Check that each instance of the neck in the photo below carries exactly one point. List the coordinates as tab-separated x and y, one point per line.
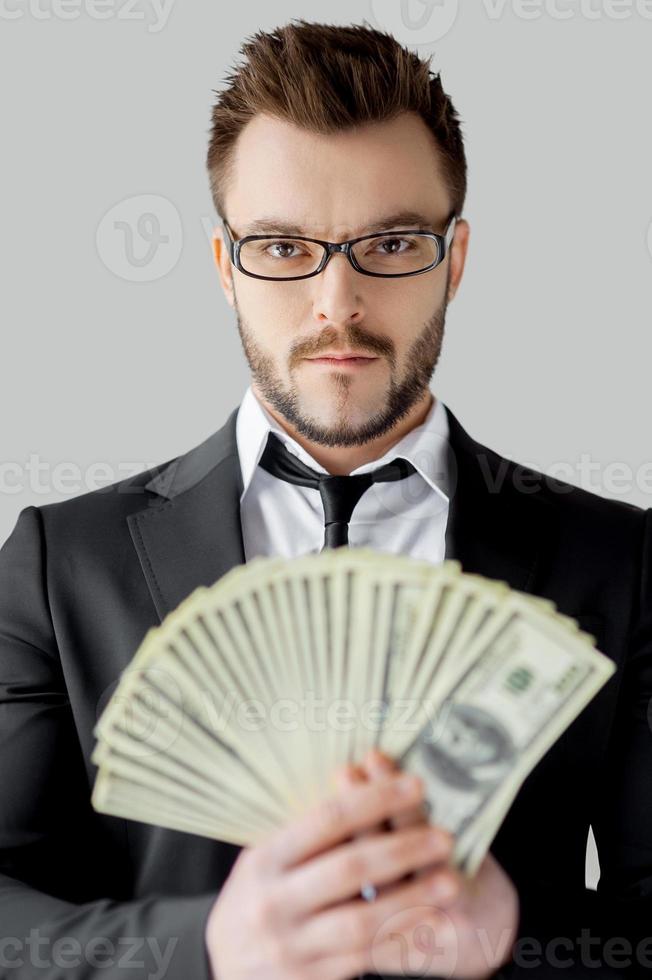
341	460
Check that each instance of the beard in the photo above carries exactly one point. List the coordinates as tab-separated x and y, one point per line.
402	394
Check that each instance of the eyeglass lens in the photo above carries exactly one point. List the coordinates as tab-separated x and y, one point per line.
281	258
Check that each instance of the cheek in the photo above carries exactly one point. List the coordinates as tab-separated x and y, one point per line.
401	316
421	302
273	316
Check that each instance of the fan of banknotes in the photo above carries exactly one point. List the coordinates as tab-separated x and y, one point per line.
237	709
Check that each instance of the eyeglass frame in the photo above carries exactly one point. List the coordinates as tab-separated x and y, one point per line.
234	246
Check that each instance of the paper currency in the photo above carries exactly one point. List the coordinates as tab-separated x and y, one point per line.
235	712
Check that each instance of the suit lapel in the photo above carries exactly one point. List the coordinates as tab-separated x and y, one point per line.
496	518
190	533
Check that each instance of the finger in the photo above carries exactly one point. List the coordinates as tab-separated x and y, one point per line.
347	775
357	924
379	764
338	817
360	775
382	858
376	765
339	967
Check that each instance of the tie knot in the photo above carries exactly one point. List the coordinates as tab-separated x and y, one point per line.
339	494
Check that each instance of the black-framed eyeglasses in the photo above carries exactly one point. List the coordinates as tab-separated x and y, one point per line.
290	257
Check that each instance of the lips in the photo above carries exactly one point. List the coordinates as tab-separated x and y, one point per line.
338	356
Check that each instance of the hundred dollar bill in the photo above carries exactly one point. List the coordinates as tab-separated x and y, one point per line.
508	707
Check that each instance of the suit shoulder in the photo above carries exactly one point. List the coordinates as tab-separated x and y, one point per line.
570	502
99	509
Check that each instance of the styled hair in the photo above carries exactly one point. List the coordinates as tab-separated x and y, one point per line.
325	79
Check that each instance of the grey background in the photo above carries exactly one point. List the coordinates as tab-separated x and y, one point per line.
119	350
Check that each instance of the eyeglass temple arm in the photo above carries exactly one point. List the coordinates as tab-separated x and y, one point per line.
450	231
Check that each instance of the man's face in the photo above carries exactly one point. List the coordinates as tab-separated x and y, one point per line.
336	187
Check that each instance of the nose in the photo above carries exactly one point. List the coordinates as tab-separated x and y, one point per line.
336	297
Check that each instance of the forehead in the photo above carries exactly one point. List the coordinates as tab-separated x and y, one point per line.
334	184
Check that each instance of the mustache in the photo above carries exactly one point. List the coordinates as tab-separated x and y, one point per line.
354	337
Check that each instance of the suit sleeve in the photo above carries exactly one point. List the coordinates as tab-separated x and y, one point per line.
608	932
59	878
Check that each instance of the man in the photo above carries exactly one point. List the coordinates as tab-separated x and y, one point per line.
338	170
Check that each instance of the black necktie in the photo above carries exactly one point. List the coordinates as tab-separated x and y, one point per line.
339	494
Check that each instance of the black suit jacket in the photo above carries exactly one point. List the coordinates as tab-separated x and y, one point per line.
82	580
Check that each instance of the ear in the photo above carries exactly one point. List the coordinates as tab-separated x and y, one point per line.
223	263
457	255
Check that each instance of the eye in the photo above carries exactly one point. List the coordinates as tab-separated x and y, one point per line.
281	249
392	245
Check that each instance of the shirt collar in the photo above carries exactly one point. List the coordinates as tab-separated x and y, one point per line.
425	446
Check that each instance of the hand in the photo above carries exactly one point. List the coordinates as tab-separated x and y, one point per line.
471	937
291	906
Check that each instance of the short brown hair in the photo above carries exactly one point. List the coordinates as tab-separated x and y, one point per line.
327	78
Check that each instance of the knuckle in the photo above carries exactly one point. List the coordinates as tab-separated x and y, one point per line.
401	849
403	843
446	840
378	795
355	866
431	846
331	813
387	795
444	886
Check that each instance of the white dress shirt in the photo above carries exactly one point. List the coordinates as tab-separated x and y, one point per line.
405	517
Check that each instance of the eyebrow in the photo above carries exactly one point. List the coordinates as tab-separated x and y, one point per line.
394	220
